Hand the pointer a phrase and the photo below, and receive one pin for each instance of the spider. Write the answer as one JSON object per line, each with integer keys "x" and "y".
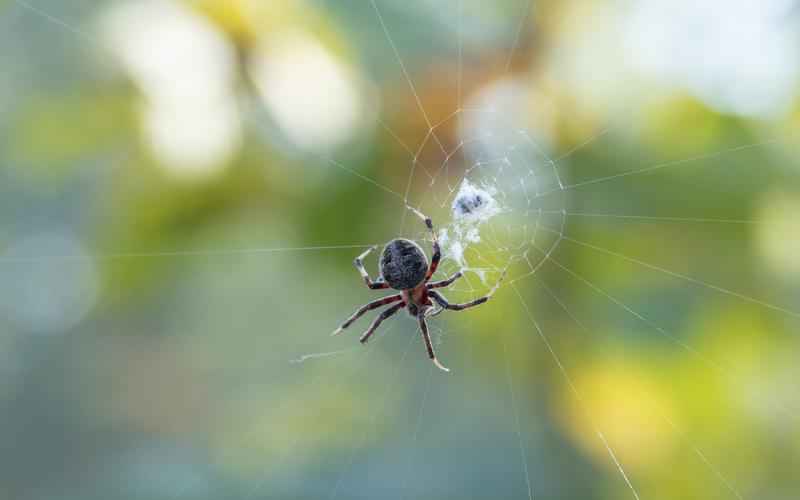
{"x": 404, "y": 267}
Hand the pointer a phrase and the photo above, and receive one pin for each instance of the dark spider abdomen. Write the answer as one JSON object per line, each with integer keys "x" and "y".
{"x": 403, "y": 264}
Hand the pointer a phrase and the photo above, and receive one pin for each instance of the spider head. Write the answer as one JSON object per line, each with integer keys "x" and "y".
{"x": 403, "y": 264}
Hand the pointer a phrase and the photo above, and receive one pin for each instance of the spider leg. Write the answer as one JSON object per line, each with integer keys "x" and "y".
{"x": 433, "y": 311}
{"x": 375, "y": 324}
{"x": 423, "y": 326}
{"x": 439, "y": 298}
{"x": 437, "y": 251}
{"x": 449, "y": 281}
{"x": 367, "y": 307}
{"x": 359, "y": 263}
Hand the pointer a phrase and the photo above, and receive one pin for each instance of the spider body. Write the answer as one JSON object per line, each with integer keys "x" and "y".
{"x": 416, "y": 299}
{"x": 404, "y": 267}
{"x": 403, "y": 264}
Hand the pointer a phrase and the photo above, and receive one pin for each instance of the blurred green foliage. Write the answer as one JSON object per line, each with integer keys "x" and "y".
{"x": 665, "y": 337}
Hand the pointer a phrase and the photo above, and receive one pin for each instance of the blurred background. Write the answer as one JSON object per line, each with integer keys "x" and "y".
{"x": 184, "y": 186}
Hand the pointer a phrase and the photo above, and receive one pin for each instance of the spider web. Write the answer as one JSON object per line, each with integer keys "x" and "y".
{"x": 495, "y": 194}
{"x": 503, "y": 206}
